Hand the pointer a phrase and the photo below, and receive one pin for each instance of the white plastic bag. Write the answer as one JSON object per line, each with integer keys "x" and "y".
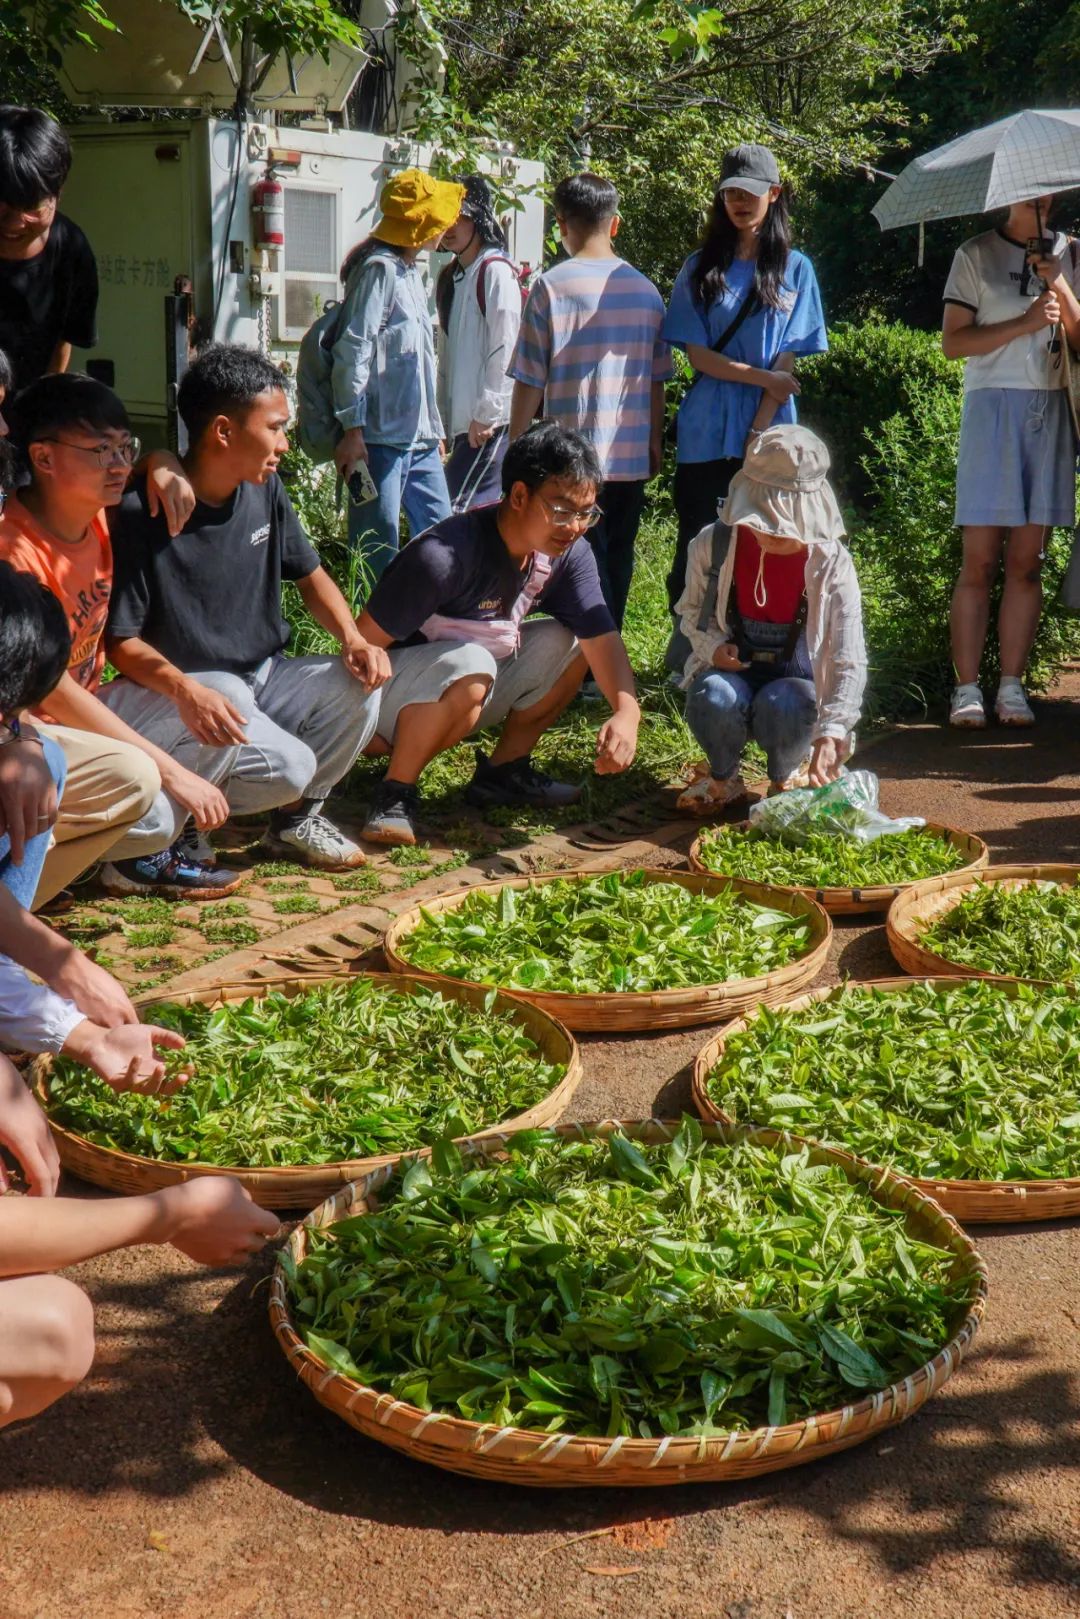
{"x": 845, "y": 808}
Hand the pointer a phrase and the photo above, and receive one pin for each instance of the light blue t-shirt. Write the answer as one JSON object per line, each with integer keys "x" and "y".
{"x": 715, "y": 416}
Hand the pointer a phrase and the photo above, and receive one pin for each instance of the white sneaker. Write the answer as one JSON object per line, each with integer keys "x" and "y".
{"x": 1010, "y": 705}
{"x": 314, "y": 841}
{"x": 966, "y": 708}
{"x": 707, "y": 796}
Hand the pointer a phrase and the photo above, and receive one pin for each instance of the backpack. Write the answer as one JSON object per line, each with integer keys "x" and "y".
{"x": 444, "y": 287}
{"x": 317, "y": 427}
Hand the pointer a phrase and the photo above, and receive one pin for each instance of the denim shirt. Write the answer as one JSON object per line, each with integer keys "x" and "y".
{"x": 384, "y": 359}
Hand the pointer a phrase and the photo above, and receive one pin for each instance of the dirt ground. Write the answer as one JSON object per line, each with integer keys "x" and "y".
{"x": 192, "y": 1475}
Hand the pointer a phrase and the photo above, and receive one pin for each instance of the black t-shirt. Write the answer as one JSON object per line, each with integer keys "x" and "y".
{"x": 47, "y": 300}
{"x": 462, "y": 569}
{"x": 211, "y": 597}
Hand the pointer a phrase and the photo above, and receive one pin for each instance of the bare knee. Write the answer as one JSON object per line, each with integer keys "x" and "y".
{"x": 979, "y": 573}
{"x": 65, "y": 1332}
{"x": 467, "y": 695}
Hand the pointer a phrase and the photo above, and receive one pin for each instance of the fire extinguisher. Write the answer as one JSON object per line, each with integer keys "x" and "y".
{"x": 268, "y": 214}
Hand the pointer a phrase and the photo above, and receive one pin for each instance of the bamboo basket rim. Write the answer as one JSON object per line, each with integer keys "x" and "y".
{"x": 290, "y": 1176}
{"x": 933, "y": 1187}
{"x": 876, "y": 896}
{"x": 901, "y": 924}
{"x": 468, "y": 1443}
{"x": 613, "y": 1000}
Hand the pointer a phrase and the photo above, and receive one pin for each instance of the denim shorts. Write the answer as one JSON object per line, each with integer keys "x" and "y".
{"x": 1017, "y": 459}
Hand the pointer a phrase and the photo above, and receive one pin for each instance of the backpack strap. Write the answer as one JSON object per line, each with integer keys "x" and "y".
{"x": 721, "y": 541}
{"x": 388, "y": 303}
{"x": 481, "y": 277}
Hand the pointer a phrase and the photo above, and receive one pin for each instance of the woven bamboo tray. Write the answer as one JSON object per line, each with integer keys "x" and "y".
{"x": 924, "y": 902}
{"x": 302, "y": 1186}
{"x": 970, "y": 1202}
{"x": 521, "y": 1456}
{"x": 858, "y": 901}
{"x": 620, "y": 1012}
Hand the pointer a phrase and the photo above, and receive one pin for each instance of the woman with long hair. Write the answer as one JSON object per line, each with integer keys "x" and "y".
{"x": 1009, "y": 294}
{"x": 383, "y": 375}
{"x": 745, "y": 306}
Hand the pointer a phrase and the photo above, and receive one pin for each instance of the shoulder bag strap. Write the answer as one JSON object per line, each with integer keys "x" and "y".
{"x": 798, "y": 624}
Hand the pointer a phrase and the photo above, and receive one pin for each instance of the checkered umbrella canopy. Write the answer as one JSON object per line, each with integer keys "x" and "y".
{"x": 1028, "y": 154}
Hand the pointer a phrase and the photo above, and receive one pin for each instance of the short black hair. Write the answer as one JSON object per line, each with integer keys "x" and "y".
{"x": 35, "y": 642}
{"x": 67, "y": 399}
{"x": 7, "y": 375}
{"x": 585, "y": 199}
{"x": 225, "y": 380}
{"x": 548, "y": 450}
{"x": 35, "y": 157}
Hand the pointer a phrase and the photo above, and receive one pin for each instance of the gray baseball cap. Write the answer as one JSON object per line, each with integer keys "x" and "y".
{"x": 749, "y": 168}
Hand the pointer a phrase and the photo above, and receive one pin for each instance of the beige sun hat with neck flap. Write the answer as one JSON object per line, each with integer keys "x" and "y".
{"x": 783, "y": 488}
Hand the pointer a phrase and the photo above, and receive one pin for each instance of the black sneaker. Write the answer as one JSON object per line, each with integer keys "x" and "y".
{"x": 517, "y": 783}
{"x": 172, "y": 874}
{"x": 392, "y": 817}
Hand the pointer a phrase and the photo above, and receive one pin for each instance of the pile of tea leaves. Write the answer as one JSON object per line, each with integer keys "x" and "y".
{"x": 823, "y": 861}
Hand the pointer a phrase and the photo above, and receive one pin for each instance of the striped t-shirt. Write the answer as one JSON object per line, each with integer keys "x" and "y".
{"x": 590, "y": 337}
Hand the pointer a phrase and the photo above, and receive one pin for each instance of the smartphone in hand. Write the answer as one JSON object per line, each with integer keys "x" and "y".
{"x": 362, "y": 486}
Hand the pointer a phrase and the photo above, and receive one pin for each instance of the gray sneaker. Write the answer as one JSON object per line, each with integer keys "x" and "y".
{"x": 393, "y": 812}
{"x": 312, "y": 840}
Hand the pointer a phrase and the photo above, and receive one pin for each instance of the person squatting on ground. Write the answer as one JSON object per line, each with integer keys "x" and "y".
{"x": 773, "y": 615}
{"x": 478, "y": 298}
{"x": 48, "y": 273}
{"x": 383, "y": 374}
{"x": 77, "y": 1008}
{"x": 452, "y": 607}
{"x": 209, "y": 684}
{"x": 745, "y": 306}
{"x": 74, "y": 439}
{"x": 590, "y": 353}
{"x": 1016, "y": 465}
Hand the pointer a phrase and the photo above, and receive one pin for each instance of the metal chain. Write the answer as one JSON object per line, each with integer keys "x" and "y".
{"x": 263, "y": 321}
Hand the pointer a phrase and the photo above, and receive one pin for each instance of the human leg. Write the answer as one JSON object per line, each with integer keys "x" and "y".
{"x": 1018, "y": 619}
{"x": 782, "y": 718}
{"x": 474, "y": 477}
{"x": 109, "y": 788}
{"x": 718, "y": 714}
{"x": 424, "y": 495}
{"x": 531, "y": 690}
{"x": 613, "y": 541}
{"x": 46, "y": 1343}
{"x": 374, "y": 526}
{"x": 970, "y": 613}
{"x": 698, "y": 489}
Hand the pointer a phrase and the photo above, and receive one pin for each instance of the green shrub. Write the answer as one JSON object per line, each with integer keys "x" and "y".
{"x": 871, "y": 373}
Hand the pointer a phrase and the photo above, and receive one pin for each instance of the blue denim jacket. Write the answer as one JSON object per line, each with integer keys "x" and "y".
{"x": 384, "y": 358}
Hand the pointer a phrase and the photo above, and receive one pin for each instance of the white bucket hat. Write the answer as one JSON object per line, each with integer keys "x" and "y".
{"x": 782, "y": 488}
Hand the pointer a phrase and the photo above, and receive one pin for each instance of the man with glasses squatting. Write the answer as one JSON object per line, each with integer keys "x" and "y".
{"x": 455, "y": 607}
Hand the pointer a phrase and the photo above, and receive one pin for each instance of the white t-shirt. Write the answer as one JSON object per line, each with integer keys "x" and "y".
{"x": 477, "y": 348}
{"x": 990, "y": 276}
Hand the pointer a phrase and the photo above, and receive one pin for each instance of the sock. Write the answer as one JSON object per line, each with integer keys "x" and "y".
{"x": 1010, "y": 683}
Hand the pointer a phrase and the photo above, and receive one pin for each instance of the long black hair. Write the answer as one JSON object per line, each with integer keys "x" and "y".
{"x": 718, "y": 250}
{"x": 363, "y": 250}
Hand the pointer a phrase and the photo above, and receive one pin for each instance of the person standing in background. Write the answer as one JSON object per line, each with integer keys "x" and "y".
{"x": 744, "y": 307}
{"x": 48, "y": 275}
{"x": 590, "y": 351}
{"x": 383, "y": 375}
{"x": 478, "y": 299}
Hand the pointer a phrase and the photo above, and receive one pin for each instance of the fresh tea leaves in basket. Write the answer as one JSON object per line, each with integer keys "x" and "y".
{"x": 824, "y": 861}
{"x": 1028, "y": 931}
{"x": 609, "y": 1287}
{"x": 344, "y": 1071}
{"x": 965, "y": 1083}
{"x": 612, "y": 933}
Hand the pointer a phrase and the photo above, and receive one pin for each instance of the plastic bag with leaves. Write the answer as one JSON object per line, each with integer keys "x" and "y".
{"x": 845, "y": 808}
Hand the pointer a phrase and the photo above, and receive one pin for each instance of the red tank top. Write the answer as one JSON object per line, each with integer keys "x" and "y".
{"x": 784, "y": 579}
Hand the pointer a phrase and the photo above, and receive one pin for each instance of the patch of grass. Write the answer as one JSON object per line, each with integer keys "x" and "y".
{"x": 83, "y": 930}
{"x": 274, "y": 868}
{"x": 357, "y": 882}
{"x": 143, "y": 986}
{"x": 149, "y": 938}
{"x": 231, "y": 907}
{"x": 456, "y": 858}
{"x": 297, "y": 904}
{"x": 140, "y": 908}
{"x": 416, "y": 854}
{"x": 234, "y": 934}
{"x": 157, "y": 964}
{"x": 283, "y": 885}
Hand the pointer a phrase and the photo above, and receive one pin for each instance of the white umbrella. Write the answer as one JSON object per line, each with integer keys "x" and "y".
{"x": 1026, "y": 155}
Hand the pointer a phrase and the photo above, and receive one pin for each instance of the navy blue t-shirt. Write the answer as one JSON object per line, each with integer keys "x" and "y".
{"x": 462, "y": 569}
{"x": 210, "y": 598}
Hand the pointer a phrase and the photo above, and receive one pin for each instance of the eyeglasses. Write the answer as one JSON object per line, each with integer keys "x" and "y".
{"x": 107, "y": 455}
{"x": 567, "y": 516}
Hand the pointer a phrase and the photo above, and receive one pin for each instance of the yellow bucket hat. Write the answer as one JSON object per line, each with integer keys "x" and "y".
{"x": 415, "y": 208}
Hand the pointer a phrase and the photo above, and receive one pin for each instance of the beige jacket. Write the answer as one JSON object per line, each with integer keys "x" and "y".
{"x": 834, "y": 633}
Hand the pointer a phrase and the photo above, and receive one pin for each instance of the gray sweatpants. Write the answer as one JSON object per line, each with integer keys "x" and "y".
{"x": 308, "y": 719}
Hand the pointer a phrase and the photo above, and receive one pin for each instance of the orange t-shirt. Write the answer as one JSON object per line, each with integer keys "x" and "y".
{"x": 79, "y": 576}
